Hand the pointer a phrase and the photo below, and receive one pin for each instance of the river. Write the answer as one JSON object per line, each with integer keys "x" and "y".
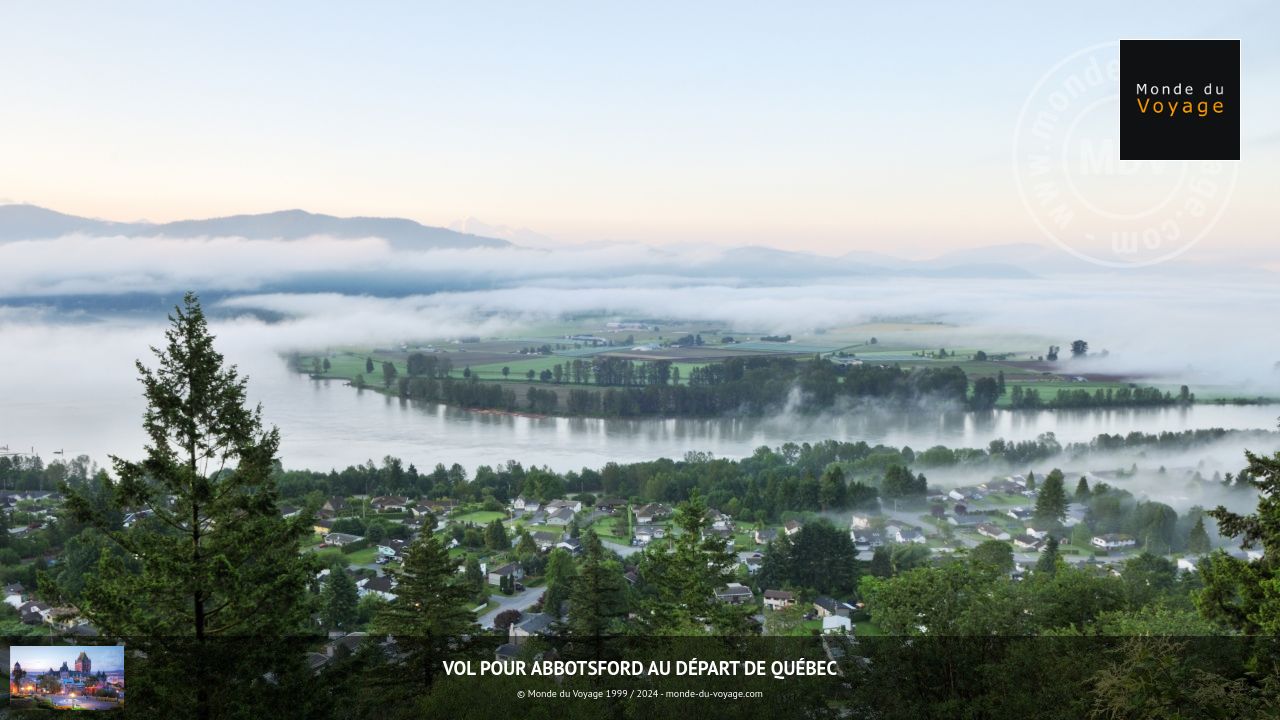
{"x": 326, "y": 424}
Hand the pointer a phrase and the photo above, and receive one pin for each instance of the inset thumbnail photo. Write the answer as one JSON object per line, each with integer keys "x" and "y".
{"x": 67, "y": 677}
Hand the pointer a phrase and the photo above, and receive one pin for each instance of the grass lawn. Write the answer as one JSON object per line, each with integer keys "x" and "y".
{"x": 867, "y": 629}
{"x": 362, "y": 557}
{"x": 480, "y": 517}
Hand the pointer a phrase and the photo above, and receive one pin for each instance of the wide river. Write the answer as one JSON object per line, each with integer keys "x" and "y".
{"x": 327, "y": 424}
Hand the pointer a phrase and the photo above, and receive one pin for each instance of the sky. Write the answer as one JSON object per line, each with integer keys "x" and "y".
{"x": 826, "y": 127}
{"x": 43, "y": 657}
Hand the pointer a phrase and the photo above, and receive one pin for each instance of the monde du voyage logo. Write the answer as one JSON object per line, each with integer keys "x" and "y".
{"x": 1146, "y": 188}
{"x": 1180, "y": 100}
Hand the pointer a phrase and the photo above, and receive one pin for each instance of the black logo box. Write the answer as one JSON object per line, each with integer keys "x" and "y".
{"x": 1180, "y": 65}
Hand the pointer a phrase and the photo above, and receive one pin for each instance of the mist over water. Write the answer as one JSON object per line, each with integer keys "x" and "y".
{"x": 326, "y": 424}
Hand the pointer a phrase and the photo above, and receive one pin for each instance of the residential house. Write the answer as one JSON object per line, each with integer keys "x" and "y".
{"x": 837, "y": 625}
{"x": 289, "y": 511}
{"x": 778, "y": 599}
{"x": 1019, "y": 480}
{"x": 1039, "y": 532}
{"x": 1113, "y": 541}
{"x": 1002, "y": 486}
{"x": 523, "y": 504}
{"x": 512, "y": 570}
{"x": 860, "y": 522}
{"x": 735, "y": 594}
{"x": 827, "y": 606}
{"x": 647, "y": 514}
{"x": 13, "y": 594}
{"x": 791, "y": 527}
{"x": 646, "y": 534}
{"x": 1191, "y": 563}
{"x": 339, "y": 539}
{"x": 905, "y": 535}
{"x": 572, "y": 545}
{"x": 530, "y": 626}
{"x": 1025, "y": 542}
{"x": 389, "y": 503}
{"x": 964, "y": 519}
{"x": 391, "y": 548}
{"x": 764, "y": 536}
{"x": 380, "y": 586}
{"x": 333, "y": 507}
{"x": 574, "y": 505}
{"x": 723, "y": 533}
{"x": 719, "y": 521}
{"x": 560, "y": 516}
{"x": 545, "y": 540}
{"x": 995, "y": 532}
{"x": 1020, "y": 514}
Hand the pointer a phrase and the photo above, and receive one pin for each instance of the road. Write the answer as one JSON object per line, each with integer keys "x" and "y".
{"x": 518, "y": 601}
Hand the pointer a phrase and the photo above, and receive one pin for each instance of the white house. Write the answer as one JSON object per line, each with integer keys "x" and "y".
{"x": 860, "y": 522}
{"x": 338, "y": 539}
{"x": 735, "y": 594}
{"x": 1113, "y": 541}
{"x": 836, "y": 625}
{"x": 560, "y": 516}
{"x": 778, "y": 599}
{"x": 995, "y": 532}
{"x": 380, "y": 586}
{"x": 13, "y": 594}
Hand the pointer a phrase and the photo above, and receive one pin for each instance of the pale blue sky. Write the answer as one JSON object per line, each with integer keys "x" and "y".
{"x": 36, "y": 659}
{"x": 827, "y": 126}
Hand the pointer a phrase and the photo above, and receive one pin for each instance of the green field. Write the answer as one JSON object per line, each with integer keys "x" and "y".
{"x": 480, "y": 517}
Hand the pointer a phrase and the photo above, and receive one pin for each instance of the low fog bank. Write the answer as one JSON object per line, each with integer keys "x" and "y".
{"x": 1192, "y": 476}
{"x": 1206, "y": 329}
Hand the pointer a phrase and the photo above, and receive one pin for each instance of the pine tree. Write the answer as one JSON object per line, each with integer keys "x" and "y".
{"x": 341, "y": 600}
{"x": 1198, "y": 539}
{"x": 1048, "y": 561}
{"x": 1051, "y": 500}
{"x": 430, "y": 618}
{"x": 526, "y": 545}
{"x": 598, "y": 599}
{"x": 1246, "y": 595}
{"x": 881, "y": 564}
{"x": 681, "y": 583}
{"x": 473, "y": 575}
{"x": 562, "y": 573}
{"x": 1082, "y": 490}
{"x": 195, "y": 567}
{"x": 495, "y": 536}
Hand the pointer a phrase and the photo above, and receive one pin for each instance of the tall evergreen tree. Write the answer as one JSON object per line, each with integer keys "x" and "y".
{"x": 1198, "y": 539}
{"x": 1082, "y": 490}
{"x": 341, "y": 600}
{"x": 194, "y": 568}
{"x": 430, "y": 619}
{"x": 598, "y": 600}
{"x": 681, "y": 576}
{"x": 562, "y": 572}
{"x": 1051, "y": 500}
{"x": 495, "y": 536}
{"x": 1047, "y": 563}
{"x": 1246, "y": 595}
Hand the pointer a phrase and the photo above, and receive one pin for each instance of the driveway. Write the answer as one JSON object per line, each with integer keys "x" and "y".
{"x": 518, "y": 601}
